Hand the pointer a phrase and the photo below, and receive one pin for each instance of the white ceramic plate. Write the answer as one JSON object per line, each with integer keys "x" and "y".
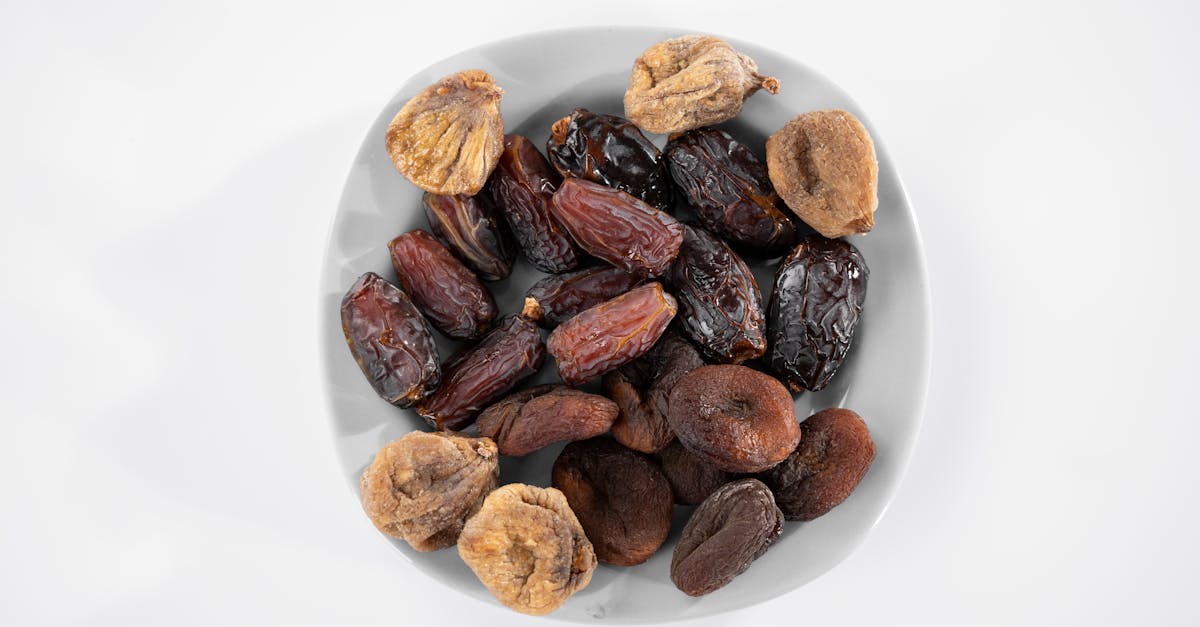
{"x": 544, "y": 76}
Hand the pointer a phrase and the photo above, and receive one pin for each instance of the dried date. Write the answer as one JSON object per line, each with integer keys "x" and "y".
{"x": 692, "y": 479}
{"x": 448, "y": 293}
{"x": 471, "y": 227}
{"x": 609, "y": 150}
{"x": 617, "y": 227}
{"x": 529, "y": 420}
{"x": 815, "y": 308}
{"x": 556, "y": 298}
{"x": 832, "y": 459}
{"x": 640, "y": 389}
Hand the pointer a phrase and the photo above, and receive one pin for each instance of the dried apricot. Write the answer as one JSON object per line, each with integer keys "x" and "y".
{"x": 832, "y": 459}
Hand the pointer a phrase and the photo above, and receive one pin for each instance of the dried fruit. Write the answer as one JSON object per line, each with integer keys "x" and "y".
{"x": 471, "y": 227}
{"x": 449, "y": 294}
{"x": 814, "y": 310}
{"x": 390, "y": 340}
{"x": 617, "y": 227}
{"x": 720, "y": 307}
{"x": 423, "y": 487}
{"x": 689, "y": 82}
{"x": 527, "y": 547}
{"x": 832, "y": 459}
{"x": 610, "y": 334}
{"x": 730, "y": 529}
{"x": 528, "y": 420}
{"x": 823, "y": 166}
{"x": 621, "y": 498}
{"x": 692, "y": 479}
{"x": 446, "y": 140}
{"x": 556, "y": 298}
{"x": 475, "y": 376}
{"x": 607, "y": 149}
{"x": 641, "y": 387}
{"x": 522, "y": 187}
{"x": 737, "y": 419}
{"x": 728, "y": 188}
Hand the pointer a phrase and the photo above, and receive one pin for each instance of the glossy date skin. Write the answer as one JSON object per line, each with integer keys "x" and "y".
{"x": 610, "y": 150}
{"x": 720, "y": 305}
{"x": 611, "y": 334}
{"x": 471, "y": 227}
{"x": 390, "y": 340}
{"x": 556, "y": 298}
{"x": 509, "y": 354}
{"x": 522, "y": 186}
{"x": 728, "y": 188}
{"x": 618, "y": 228}
{"x": 815, "y": 308}
{"x": 448, "y": 293}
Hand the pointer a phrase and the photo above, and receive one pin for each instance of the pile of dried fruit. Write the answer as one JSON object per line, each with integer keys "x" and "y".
{"x": 660, "y": 312}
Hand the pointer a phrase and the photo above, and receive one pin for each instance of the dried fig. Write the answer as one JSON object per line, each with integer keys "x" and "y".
{"x": 640, "y": 389}
{"x": 832, "y": 459}
{"x": 528, "y": 420}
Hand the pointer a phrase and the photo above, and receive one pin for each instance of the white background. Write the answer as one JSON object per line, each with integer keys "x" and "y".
{"x": 168, "y": 174}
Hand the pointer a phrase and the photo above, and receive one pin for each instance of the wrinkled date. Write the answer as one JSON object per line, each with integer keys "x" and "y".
{"x": 528, "y": 420}
{"x": 728, "y": 188}
{"x": 720, "y": 307}
{"x": 611, "y": 334}
{"x": 470, "y": 226}
{"x": 692, "y": 479}
{"x": 640, "y": 389}
{"x": 617, "y": 227}
{"x": 730, "y": 529}
{"x": 814, "y": 310}
{"x": 510, "y": 353}
{"x": 556, "y": 298}
{"x": 448, "y": 293}
{"x": 390, "y": 340}
{"x": 621, "y": 498}
{"x": 612, "y": 151}
{"x": 832, "y": 459}
{"x": 522, "y": 186}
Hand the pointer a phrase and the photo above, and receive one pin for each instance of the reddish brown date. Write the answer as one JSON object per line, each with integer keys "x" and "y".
{"x": 640, "y": 389}
{"x": 522, "y": 186}
{"x": 448, "y": 293}
{"x": 617, "y": 227}
{"x": 611, "y": 334}
{"x": 720, "y": 306}
{"x": 472, "y": 228}
{"x": 556, "y": 298}
{"x": 610, "y": 150}
{"x": 528, "y": 420}
{"x": 390, "y": 340}
{"x": 474, "y": 377}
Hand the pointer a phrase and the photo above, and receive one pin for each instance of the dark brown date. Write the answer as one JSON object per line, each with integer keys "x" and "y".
{"x": 445, "y": 290}
{"x": 472, "y": 228}
{"x": 720, "y": 306}
{"x": 475, "y": 376}
{"x": 728, "y": 188}
{"x": 692, "y": 479}
{"x": 617, "y": 227}
{"x": 814, "y": 310}
{"x": 621, "y": 498}
{"x": 556, "y": 298}
{"x": 522, "y": 186}
{"x": 730, "y": 529}
{"x": 640, "y": 389}
{"x": 832, "y": 459}
{"x": 528, "y": 420}
{"x": 610, "y": 150}
{"x": 611, "y": 334}
{"x": 390, "y": 340}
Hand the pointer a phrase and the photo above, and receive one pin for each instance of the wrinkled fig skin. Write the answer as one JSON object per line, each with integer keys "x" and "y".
{"x": 692, "y": 479}
{"x": 611, "y": 334}
{"x": 390, "y": 340}
{"x": 611, "y": 151}
{"x": 522, "y": 187}
{"x": 423, "y": 487}
{"x": 446, "y": 140}
{"x": 556, "y": 298}
{"x": 529, "y": 420}
{"x": 621, "y": 498}
{"x": 445, "y": 290}
{"x": 474, "y": 377}
{"x": 814, "y": 311}
{"x": 735, "y": 418}
{"x": 832, "y": 459}
{"x": 720, "y": 305}
{"x": 471, "y": 227}
{"x": 640, "y": 389}
{"x": 728, "y": 188}
{"x": 618, "y": 228}
{"x": 730, "y": 529}
{"x": 528, "y": 548}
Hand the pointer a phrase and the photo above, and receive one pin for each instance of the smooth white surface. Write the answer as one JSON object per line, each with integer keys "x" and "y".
{"x": 167, "y": 178}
